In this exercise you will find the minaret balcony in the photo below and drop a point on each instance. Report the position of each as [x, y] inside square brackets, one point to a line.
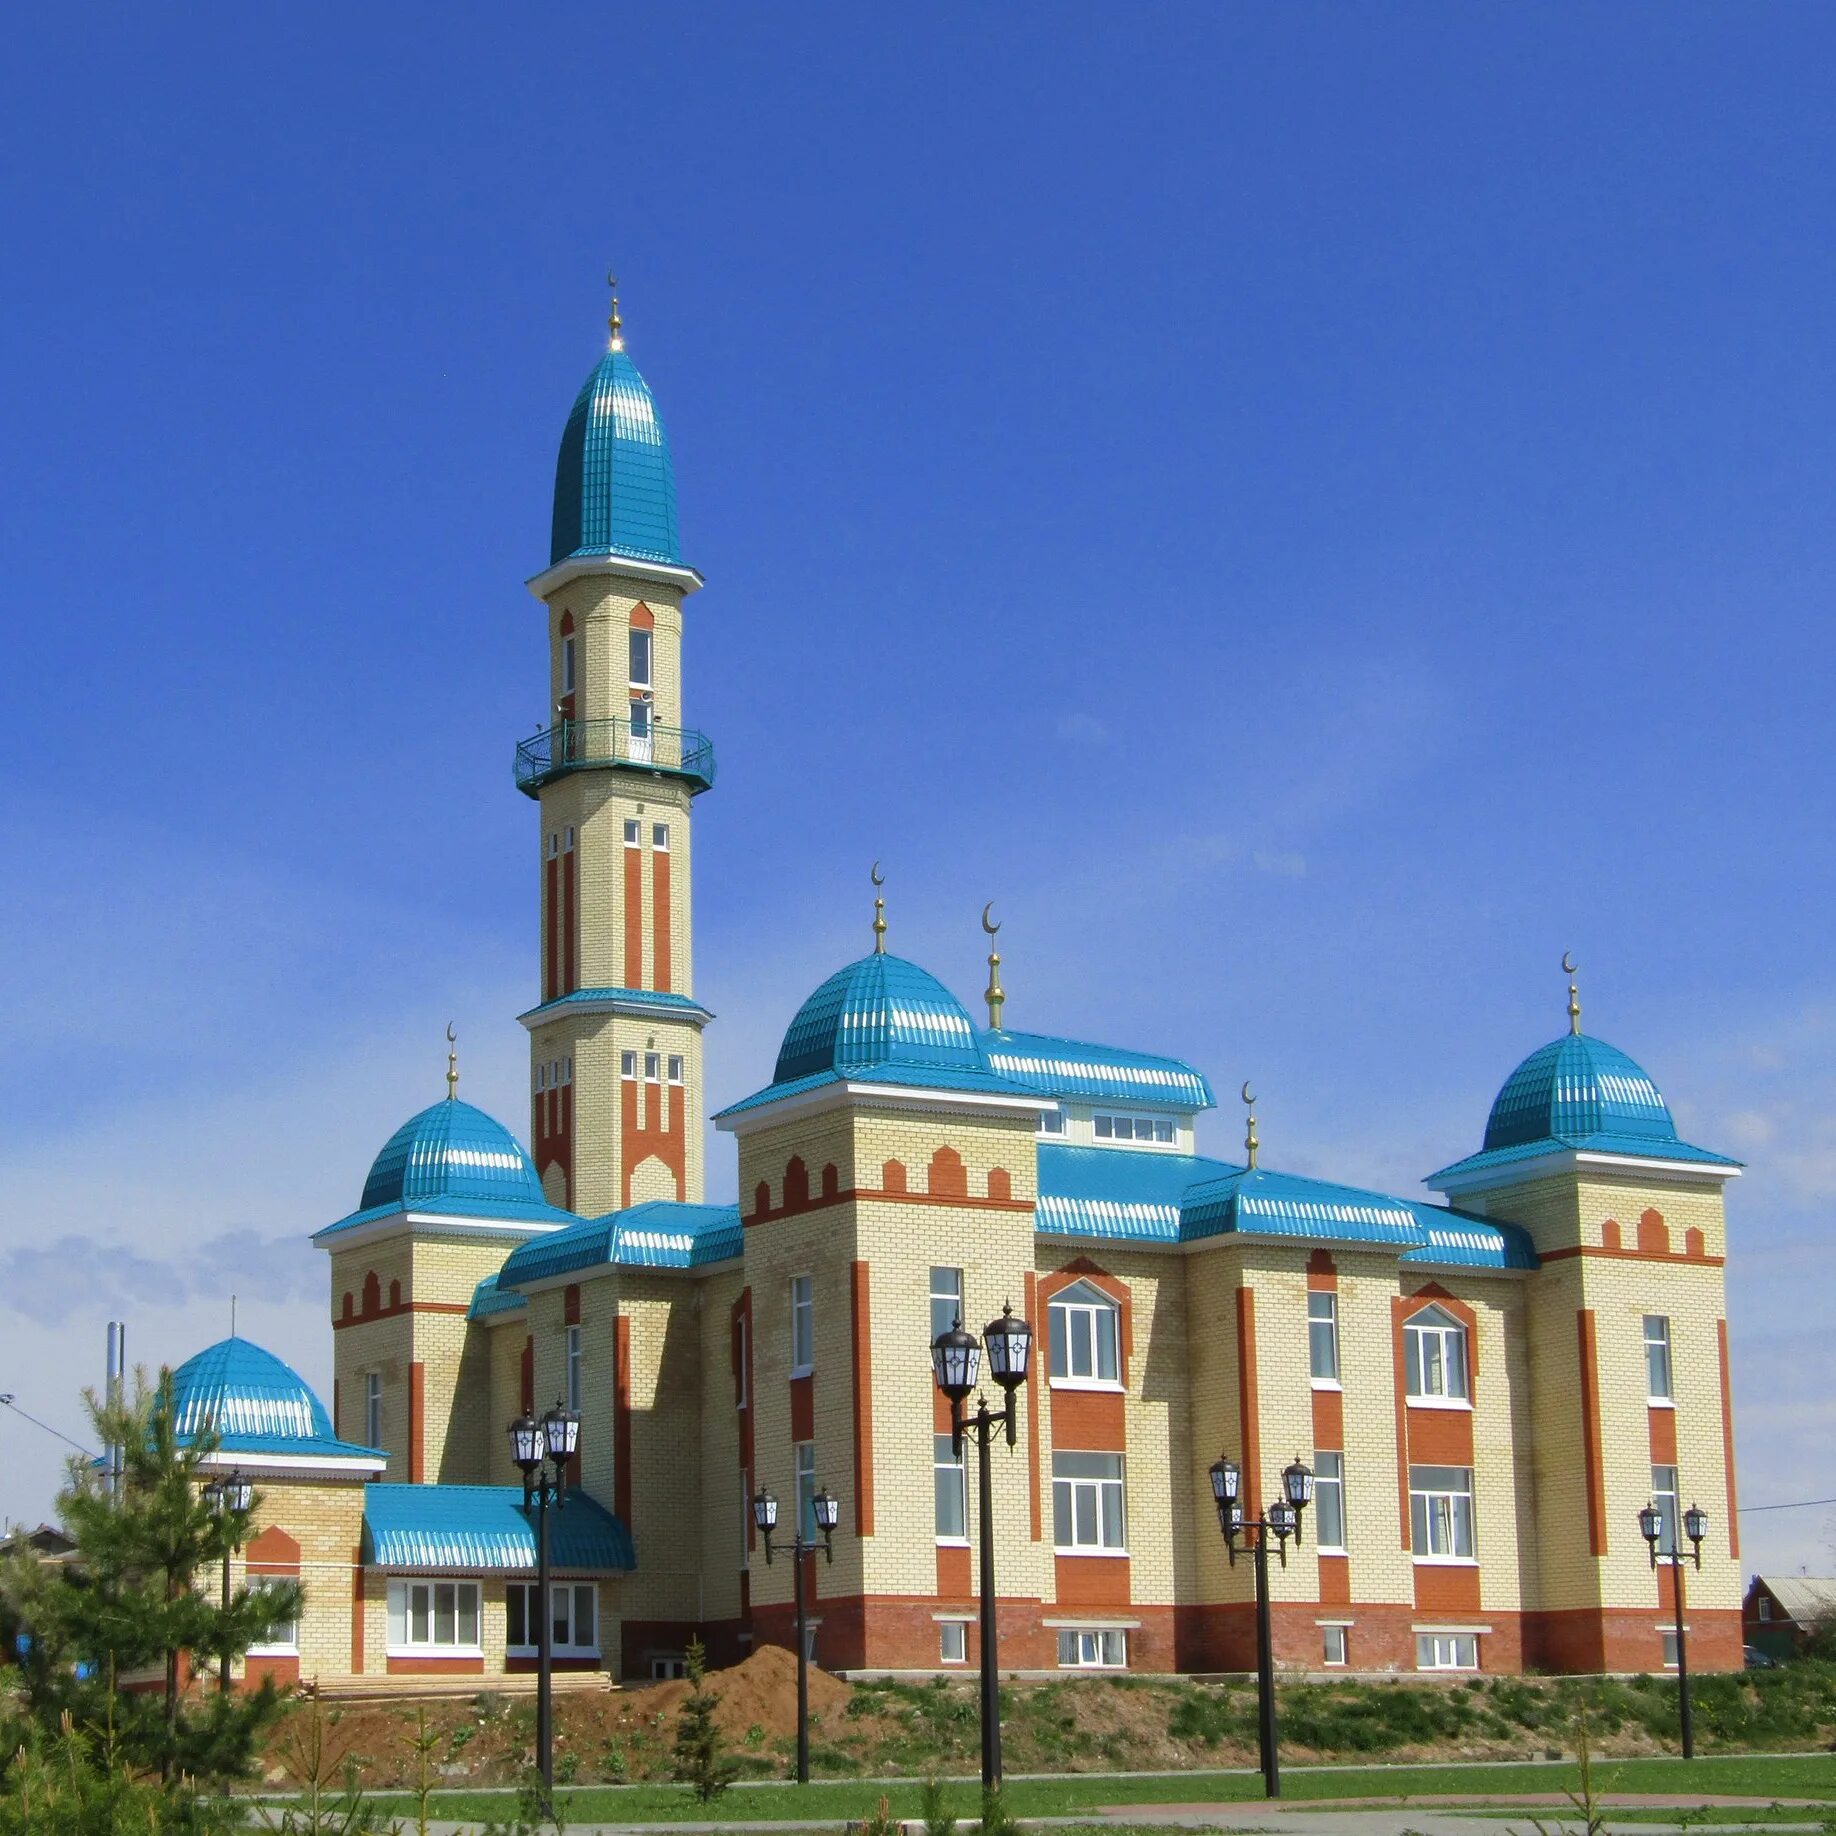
[621, 745]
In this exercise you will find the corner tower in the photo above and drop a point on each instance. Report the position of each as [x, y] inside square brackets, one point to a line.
[615, 1042]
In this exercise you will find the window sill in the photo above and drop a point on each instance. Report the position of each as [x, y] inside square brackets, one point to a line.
[1111, 1554]
[1441, 1402]
[270, 1651]
[529, 1651]
[1445, 1561]
[952, 1542]
[802, 1370]
[1332, 1549]
[434, 1651]
[1660, 1402]
[1103, 1386]
[1328, 1383]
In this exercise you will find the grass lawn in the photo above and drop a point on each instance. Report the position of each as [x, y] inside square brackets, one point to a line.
[1797, 1776]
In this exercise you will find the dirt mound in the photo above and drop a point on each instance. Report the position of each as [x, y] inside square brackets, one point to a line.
[761, 1692]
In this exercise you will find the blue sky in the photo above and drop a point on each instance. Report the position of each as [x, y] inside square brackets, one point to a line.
[1313, 511]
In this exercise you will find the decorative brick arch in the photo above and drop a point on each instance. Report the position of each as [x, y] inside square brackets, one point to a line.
[1609, 1234]
[831, 1181]
[1434, 1295]
[1000, 1184]
[642, 618]
[372, 1293]
[947, 1179]
[350, 1304]
[395, 1294]
[796, 1183]
[892, 1177]
[761, 1198]
[1695, 1245]
[1083, 1269]
[273, 1549]
[567, 624]
[1653, 1234]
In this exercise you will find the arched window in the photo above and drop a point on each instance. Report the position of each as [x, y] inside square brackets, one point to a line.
[1434, 1354]
[1085, 1328]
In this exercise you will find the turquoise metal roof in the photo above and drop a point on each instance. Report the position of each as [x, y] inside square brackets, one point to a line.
[1074, 1068]
[1579, 1093]
[615, 488]
[452, 1160]
[1454, 1238]
[471, 1527]
[1289, 1205]
[658, 1234]
[255, 1404]
[488, 1299]
[1109, 1192]
[646, 1000]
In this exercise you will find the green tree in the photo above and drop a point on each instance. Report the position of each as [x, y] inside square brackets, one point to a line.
[138, 1597]
[702, 1762]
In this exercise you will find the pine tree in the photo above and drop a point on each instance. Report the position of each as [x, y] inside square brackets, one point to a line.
[140, 1594]
[702, 1763]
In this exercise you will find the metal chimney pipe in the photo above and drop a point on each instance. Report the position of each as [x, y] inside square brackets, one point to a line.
[117, 1375]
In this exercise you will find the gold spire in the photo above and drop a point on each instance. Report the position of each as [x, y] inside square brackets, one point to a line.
[614, 324]
[452, 1063]
[1250, 1144]
[995, 996]
[879, 913]
[1574, 993]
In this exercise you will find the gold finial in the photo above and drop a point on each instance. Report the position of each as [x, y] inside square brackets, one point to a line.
[1574, 993]
[614, 324]
[1250, 1144]
[879, 913]
[452, 1063]
[996, 996]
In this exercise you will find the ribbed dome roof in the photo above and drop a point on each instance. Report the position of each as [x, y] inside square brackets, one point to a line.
[615, 488]
[452, 1151]
[1574, 1087]
[881, 1010]
[247, 1395]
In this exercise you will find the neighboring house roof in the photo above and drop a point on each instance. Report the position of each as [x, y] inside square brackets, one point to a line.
[615, 484]
[658, 1234]
[452, 1160]
[1805, 1598]
[1075, 1068]
[449, 1527]
[256, 1404]
[1579, 1093]
[46, 1544]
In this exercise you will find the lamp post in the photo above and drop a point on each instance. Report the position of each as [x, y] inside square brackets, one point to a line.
[541, 1451]
[1652, 1524]
[1281, 1521]
[230, 1497]
[956, 1359]
[826, 1511]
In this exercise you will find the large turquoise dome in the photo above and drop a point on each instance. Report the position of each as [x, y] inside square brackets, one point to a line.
[253, 1401]
[615, 488]
[880, 1011]
[1573, 1088]
[451, 1151]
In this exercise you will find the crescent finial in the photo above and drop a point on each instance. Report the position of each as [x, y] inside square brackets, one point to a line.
[1568, 962]
[450, 1034]
[986, 926]
[877, 877]
[1249, 1096]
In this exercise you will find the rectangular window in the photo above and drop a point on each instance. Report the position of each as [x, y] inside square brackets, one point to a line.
[372, 1409]
[1667, 1636]
[1160, 1130]
[567, 666]
[952, 1515]
[554, 845]
[1329, 1500]
[641, 708]
[675, 1067]
[574, 1623]
[627, 1065]
[541, 1077]
[567, 1070]
[1323, 1335]
[640, 650]
[574, 1387]
[1051, 1122]
[433, 1616]
[1441, 1512]
[1765, 1606]
[805, 1452]
[1092, 1648]
[1337, 1652]
[1664, 1496]
[1084, 1329]
[659, 837]
[946, 1300]
[953, 1642]
[567, 841]
[653, 1067]
[1657, 1357]
[1446, 1651]
[1087, 1511]
[282, 1638]
[634, 834]
[1434, 1354]
[802, 1326]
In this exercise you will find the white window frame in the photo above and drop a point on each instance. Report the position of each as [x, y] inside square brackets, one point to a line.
[627, 1067]
[1092, 1648]
[402, 1618]
[653, 1067]
[568, 671]
[953, 1641]
[1436, 1359]
[373, 1409]
[1659, 1351]
[565, 1595]
[1447, 1651]
[1669, 1505]
[1328, 1477]
[1441, 1510]
[640, 639]
[1150, 1131]
[1335, 1646]
[1667, 1646]
[1323, 1346]
[572, 1363]
[283, 1637]
[948, 1294]
[1101, 1496]
[949, 1484]
[1051, 1122]
[634, 832]
[675, 1067]
[659, 837]
[567, 839]
[1083, 1308]
[1764, 1605]
[803, 1459]
[802, 1325]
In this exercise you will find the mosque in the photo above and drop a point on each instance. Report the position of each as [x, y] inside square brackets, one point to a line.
[1488, 1389]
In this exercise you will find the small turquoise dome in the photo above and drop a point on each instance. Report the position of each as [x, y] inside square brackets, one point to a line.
[452, 1151]
[615, 488]
[249, 1396]
[882, 1010]
[1573, 1088]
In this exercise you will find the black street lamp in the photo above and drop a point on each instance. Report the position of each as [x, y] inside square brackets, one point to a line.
[1652, 1524]
[827, 1513]
[1281, 1521]
[230, 1497]
[956, 1360]
[541, 1451]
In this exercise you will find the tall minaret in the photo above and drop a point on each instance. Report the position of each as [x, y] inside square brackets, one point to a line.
[615, 1046]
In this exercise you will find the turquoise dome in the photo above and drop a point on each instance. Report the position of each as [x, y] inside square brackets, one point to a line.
[1573, 1088]
[255, 1402]
[451, 1151]
[615, 488]
[880, 1011]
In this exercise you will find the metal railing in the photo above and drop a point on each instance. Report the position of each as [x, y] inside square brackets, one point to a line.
[586, 745]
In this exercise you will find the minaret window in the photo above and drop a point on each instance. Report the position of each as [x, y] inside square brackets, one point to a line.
[567, 665]
[372, 1409]
[634, 835]
[675, 1067]
[568, 844]
[1323, 1338]
[653, 1067]
[575, 1389]
[1657, 1357]
[803, 1326]
[627, 1066]
[659, 837]
[640, 658]
[641, 710]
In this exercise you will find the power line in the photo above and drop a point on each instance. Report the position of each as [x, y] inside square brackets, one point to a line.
[1802, 1504]
[6, 1399]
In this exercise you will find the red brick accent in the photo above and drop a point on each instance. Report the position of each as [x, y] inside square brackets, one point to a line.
[1249, 1415]
[831, 1181]
[803, 1408]
[947, 1177]
[1090, 1420]
[1446, 1590]
[953, 1579]
[895, 1186]
[796, 1184]
[527, 1374]
[380, 1312]
[273, 1552]
[1694, 1243]
[1000, 1185]
[259, 1670]
[349, 1305]
[663, 1137]
[395, 1296]
[863, 1399]
[1653, 1234]
[892, 1179]
[1440, 1437]
[1398, 1306]
[634, 917]
[1091, 1581]
[1588, 1640]
[417, 1423]
[570, 920]
[523, 1666]
[1663, 1437]
[642, 618]
[357, 1611]
[621, 1418]
[1593, 1454]
[570, 1304]
[1599, 1252]
[372, 1294]
[1727, 1437]
[1609, 1234]
[1322, 1272]
[659, 908]
[1033, 1501]
[551, 923]
[1329, 1420]
[1335, 1580]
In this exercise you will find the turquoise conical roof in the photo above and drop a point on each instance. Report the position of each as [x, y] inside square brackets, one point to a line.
[452, 1151]
[254, 1401]
[615, 487]
[1578, 1086]
[878, 1011]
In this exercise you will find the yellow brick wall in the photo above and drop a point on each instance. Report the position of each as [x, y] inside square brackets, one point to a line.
[326, 1519]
